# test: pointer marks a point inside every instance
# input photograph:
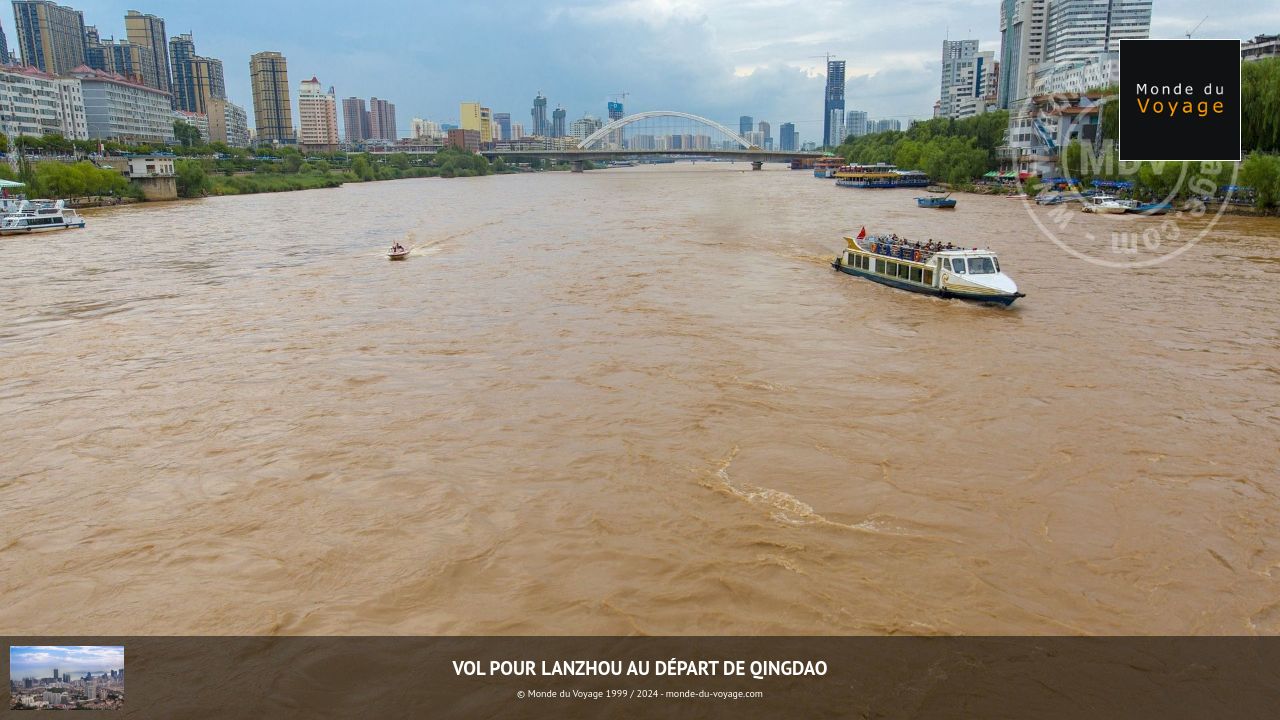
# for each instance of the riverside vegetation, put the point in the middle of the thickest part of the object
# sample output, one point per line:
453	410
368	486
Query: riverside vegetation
215	169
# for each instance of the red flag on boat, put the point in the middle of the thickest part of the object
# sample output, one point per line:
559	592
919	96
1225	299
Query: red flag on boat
863	232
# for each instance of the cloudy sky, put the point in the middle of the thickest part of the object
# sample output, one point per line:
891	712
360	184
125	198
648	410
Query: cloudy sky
717	58
38	661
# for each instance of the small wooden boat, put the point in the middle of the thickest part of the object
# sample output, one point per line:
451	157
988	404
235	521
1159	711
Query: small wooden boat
942	203
398	252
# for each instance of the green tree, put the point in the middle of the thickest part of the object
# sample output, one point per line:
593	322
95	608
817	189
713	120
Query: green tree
1260	98
187	135
192	179
1262	173
362	169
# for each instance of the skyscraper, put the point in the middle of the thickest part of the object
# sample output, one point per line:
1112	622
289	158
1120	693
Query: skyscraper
855	123
833	105
558	122
745	125
1022	25
382	120
317	117
50	36
136	62
272	112
1079	30
148	31
4	47
539	113
181	49
355	120
469	116
502	121
966	76
787	138
764	131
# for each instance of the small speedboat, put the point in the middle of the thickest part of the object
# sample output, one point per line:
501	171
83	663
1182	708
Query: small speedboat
398	252
1159	208
944	203
1108	205
1050	200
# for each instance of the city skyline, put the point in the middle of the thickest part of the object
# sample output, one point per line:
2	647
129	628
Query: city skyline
39	661
729	59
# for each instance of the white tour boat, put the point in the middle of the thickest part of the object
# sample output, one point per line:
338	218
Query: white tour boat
1108	205
949	273
40	216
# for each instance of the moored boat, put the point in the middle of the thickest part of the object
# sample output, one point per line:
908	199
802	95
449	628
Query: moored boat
944	272
826	167
40	216
1107	205
1159	208
943	203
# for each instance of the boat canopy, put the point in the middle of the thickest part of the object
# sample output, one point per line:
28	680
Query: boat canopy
991	174
1123	184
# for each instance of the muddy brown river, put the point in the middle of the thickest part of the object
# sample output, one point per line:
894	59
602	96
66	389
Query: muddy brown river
633	401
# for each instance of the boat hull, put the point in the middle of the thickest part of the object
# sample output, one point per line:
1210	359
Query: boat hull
1001	299
397	256
41	228
936	203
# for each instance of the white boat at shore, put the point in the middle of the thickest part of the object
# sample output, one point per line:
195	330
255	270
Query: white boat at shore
40	216
1108	205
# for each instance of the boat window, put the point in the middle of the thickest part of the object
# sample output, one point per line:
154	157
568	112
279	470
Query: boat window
915	274
903	270
957	265
928	276
997	262
981	266
880	266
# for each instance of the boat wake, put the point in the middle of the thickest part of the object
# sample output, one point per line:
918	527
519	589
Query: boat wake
787	508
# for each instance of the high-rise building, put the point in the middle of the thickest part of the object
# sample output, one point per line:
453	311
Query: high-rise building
382	120
886	125
272	110
55	674
486	125
1259	48
855	123
517	131
765	132
420	129
787	137
50	36
228	123
4	47
1022	28
317	117
136	62
469	116
582	128
833	103
148	31
557	122
1079	30
181	49
541	128
502	125
745	125
967	75
196	79
355	120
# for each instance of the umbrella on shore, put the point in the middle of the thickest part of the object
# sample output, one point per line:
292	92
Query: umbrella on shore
10	183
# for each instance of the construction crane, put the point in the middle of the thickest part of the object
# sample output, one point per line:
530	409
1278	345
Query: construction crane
1197	27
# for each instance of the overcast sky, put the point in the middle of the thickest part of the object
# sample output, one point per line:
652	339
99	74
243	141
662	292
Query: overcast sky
717	58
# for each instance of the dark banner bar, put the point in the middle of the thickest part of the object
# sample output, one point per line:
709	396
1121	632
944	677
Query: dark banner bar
729	677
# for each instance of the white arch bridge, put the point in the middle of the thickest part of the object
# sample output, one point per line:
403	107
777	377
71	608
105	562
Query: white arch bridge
607	143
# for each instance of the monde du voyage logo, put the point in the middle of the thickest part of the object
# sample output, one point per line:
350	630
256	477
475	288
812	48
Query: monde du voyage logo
1180	100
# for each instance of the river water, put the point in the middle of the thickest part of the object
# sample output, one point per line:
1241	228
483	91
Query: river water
627	401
